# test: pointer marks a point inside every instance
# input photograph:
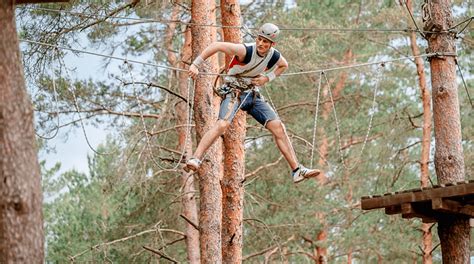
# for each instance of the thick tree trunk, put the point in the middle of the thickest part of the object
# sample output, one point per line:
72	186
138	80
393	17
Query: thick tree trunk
234	156
21	219
185	143
426	138
205	115
453	231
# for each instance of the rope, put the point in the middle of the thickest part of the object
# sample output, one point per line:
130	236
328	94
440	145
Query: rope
464	82
316	119
165	21
369	128
189	119
238	108
350	29
53	79
144	20
462	22
217	74
370	63
413	19
78	110
142	118
105	56
462	30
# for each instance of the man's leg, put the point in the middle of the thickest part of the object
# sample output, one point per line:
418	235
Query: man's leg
299	172
229	106
207	140
282	140
227	111
210	136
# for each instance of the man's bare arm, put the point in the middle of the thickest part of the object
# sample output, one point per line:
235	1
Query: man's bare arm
281	66
231	49
228	48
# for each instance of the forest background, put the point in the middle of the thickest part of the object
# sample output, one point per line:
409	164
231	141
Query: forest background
133	188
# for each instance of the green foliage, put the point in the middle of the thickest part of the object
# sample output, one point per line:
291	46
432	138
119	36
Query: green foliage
136	187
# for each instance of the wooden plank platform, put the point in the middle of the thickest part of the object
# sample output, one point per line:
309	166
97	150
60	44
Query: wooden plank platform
426	203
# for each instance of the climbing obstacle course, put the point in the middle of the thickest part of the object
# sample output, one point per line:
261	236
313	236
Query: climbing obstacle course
429	204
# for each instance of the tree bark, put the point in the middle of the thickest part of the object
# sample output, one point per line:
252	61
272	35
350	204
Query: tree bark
453	231
184	134
234	156
321	252
185	143
21	218
205	114
426	138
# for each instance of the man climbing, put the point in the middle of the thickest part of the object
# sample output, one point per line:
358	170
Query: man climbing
253	65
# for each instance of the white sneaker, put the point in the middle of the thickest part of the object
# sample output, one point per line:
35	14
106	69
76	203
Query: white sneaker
303	173
192	164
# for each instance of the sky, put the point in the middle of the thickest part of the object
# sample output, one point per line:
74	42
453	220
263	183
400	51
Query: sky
70	145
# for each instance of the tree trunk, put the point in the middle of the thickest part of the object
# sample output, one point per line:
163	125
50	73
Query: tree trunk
21	218
321	252
426	138
453	231
205	115
349	256
234	156
185	143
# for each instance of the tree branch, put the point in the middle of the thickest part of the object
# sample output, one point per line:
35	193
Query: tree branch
161	254
116	11
152	133
172	242
124	239
190	222
261	252
104	111
248	175
360	140
150	84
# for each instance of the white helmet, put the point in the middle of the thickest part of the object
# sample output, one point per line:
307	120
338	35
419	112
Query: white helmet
269	31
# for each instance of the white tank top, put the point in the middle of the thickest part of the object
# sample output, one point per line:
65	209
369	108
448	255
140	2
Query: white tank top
237	67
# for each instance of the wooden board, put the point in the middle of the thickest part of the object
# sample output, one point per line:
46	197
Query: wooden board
418	195
429	204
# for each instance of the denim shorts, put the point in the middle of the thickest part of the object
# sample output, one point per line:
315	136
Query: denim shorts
255	105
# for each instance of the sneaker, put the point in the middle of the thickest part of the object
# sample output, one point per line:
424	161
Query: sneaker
192	165
303	173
